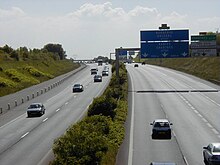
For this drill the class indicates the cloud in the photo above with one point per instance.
(13, 13)
(92, 29)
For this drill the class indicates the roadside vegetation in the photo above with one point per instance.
(96, 139)
(207, 68)
(22, 68)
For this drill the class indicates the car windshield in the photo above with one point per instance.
(34, 106)
(216, 149)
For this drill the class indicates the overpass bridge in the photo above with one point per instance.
(84, 61)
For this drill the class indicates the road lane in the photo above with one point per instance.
(30, 145)
(194, 113)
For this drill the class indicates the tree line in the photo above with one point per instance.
(23, 53)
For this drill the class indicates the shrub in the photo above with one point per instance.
(19, 77)
(103, 106)
(35, 72)
(84, 143)
(7, 83)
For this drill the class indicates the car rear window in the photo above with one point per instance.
(216, 149)
(34, 106)
(161, 124)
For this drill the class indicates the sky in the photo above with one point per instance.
(90, 28)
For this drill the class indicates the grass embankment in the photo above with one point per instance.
(207, 68)
(16, 75)
(96, 139)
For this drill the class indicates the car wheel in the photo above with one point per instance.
(169, 136)
(153, 136)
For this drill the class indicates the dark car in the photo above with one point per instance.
(78, 88)
(161, 129)
(97, 78)
(143, 63)
(135, 65)
(211, 154)
(35, 109)
(94, 71)
(105, 73)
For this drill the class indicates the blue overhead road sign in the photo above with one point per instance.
(164, 43)
(164, 49)
(121, 52)
(164, 35)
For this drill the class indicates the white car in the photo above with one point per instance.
(35, 109)
(161, 129)
(211, 154)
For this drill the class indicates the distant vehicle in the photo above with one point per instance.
(94, 71)
(78, 88)
(211, 154)
(35, 109)
(100, 62)
(135, 65)
(97, 78)
(161, 129)
(105, 73)
(106, 68)
(162, 163)
(143, 63)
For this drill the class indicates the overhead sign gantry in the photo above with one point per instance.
(164, 43)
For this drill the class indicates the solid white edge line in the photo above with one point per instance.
(131, 140)
(24, 135)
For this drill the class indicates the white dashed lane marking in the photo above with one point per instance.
(45, 119)
(24, 135)
(199, 115)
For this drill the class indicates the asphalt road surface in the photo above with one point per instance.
(191, 104)
(25, 141)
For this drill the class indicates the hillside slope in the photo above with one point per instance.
(207, 68)
(30, 69)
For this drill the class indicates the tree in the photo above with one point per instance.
(7, 49)
(56, 48)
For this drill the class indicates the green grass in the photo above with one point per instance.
(207, 68)
(17, 75)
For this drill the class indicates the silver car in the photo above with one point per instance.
(211, 154)
(35, 109)
(161, 129)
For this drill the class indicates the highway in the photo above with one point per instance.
(191, 104)
(25, 141)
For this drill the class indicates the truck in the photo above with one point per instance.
(100, 62)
